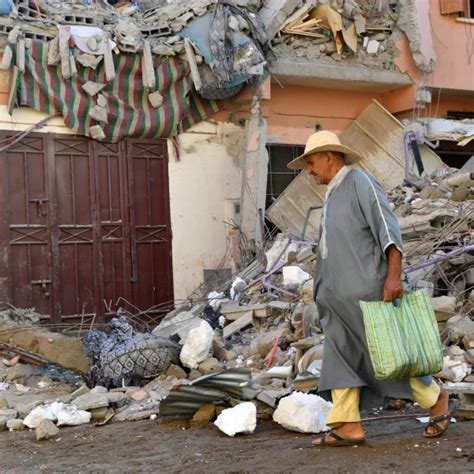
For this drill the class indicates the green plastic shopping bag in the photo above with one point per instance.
(403, 341)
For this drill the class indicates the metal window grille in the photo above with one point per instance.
(279, 176)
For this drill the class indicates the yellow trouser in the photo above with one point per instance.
(345, 401)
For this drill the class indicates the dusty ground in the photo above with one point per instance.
(182, 447)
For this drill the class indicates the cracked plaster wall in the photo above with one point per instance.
(203, 183)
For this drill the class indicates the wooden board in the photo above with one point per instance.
(378, 136)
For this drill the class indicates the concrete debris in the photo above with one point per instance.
(156, 99)
(444, 307)
(98, 113)
(92, 88)
(37, 415)
(96, 132)
(91, 400)
(46, 429)
(197, 346)
(241, 419)
(240, 323)
(89, 60)
(303, 413)
(15, 425)
(295, 276)
(179, 323)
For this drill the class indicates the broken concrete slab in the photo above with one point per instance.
(57, 348)
(92, 400)
(180, 323)
(233, 311)
(46, 430)
(459, 326)
(240, 323)
(239, 419)
(8, 414)
(271, 397)
(15, 425)
(21, 372)
(444, 307)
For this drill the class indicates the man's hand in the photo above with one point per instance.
(392, 289)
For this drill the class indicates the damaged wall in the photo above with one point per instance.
(438, 37)
(203, 184)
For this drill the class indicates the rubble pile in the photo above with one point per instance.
(436, 216)
(354, 31)
(252, 348)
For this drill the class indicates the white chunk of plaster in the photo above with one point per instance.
(303, 412)
(239, 419)
(197, 346)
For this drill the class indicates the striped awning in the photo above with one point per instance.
(130, 114)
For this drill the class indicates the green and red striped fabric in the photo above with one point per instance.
(130, 114)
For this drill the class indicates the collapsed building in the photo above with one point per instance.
(144, 174)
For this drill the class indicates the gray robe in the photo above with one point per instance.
(360, 226)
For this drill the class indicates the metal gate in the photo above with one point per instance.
(84, 226)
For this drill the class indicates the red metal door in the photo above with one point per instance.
(75, 232)
(115, 269)
(150, 224)
(25, 223)
(85, 226)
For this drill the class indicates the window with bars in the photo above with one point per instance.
(279, 176)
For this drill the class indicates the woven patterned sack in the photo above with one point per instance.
(403, 341)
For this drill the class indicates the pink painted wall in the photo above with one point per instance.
(450, 42)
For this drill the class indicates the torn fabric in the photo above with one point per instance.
(130, 114)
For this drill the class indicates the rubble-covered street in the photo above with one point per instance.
(184, 447)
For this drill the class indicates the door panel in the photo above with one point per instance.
(75, 196)
(28, 222)
(113, 216)
(151, 235)
(84, 226)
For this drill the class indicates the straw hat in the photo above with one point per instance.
(324, 141)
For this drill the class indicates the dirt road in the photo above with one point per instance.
(182, 447)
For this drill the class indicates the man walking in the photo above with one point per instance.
(359, 259)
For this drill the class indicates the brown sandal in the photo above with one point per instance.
(435, 422)
(339, 440)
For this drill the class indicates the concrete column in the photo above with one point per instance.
(254, 176)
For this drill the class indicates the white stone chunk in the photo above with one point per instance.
(372, 46)
(197, 346)
(37, 415)
(293, 275)
(71, 416)
(239, 419)
(303, 412)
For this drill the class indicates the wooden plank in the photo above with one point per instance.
(379, 137)
(244, 321)
(233, 311)
(298, 16)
